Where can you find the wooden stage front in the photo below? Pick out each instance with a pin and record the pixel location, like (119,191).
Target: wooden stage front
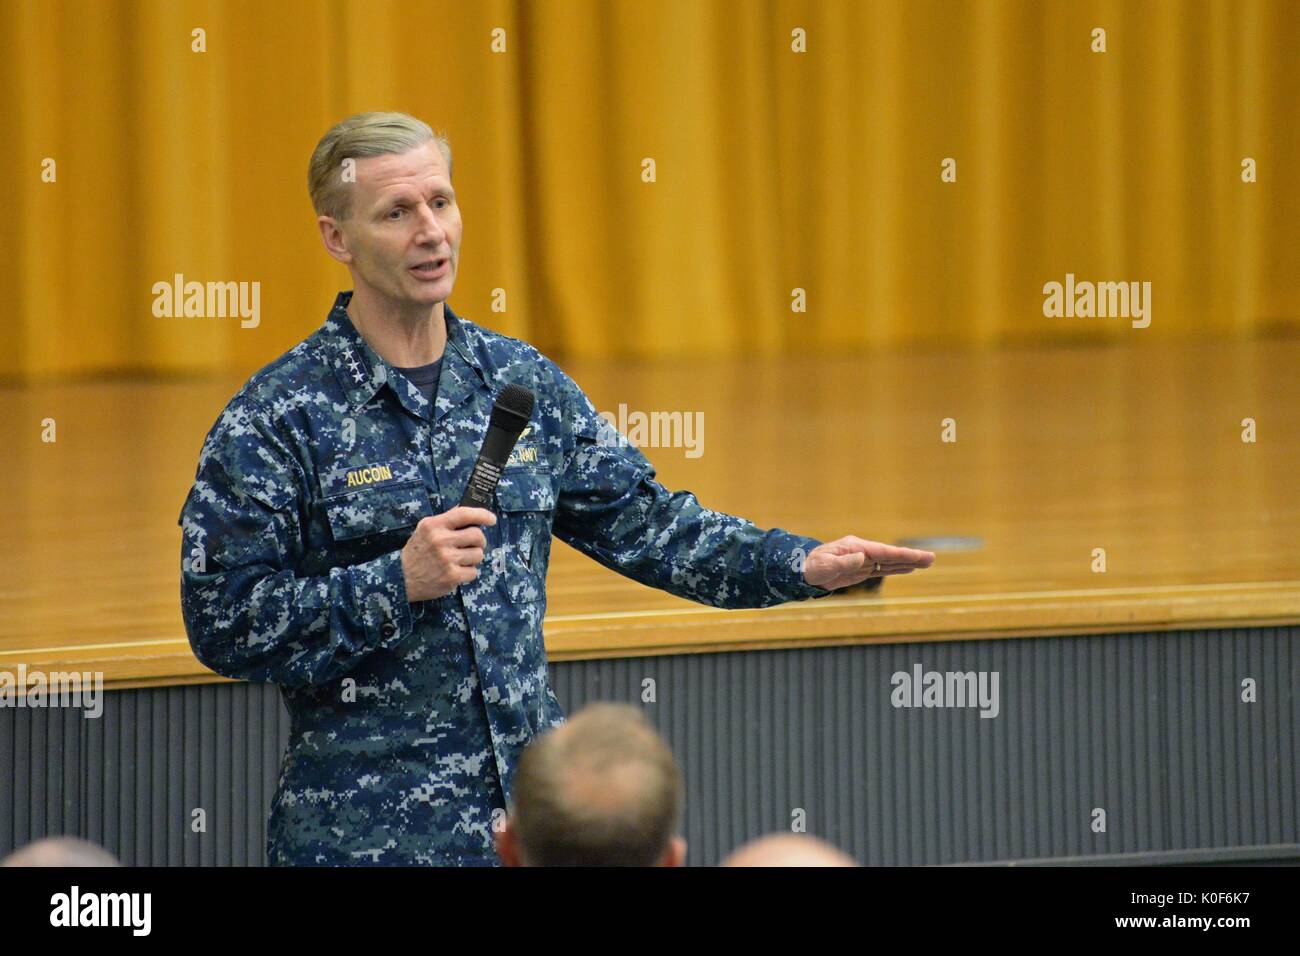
(1058,452)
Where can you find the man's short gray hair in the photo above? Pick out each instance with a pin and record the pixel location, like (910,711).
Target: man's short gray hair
(359,136)
(603,789)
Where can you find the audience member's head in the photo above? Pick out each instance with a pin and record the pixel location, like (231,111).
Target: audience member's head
(602,789)
(788,849)
(60,851)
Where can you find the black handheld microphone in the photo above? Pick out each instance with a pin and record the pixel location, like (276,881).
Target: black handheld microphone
(510,414)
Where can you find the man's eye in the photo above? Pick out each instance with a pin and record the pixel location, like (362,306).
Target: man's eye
(444,202)
(392,212)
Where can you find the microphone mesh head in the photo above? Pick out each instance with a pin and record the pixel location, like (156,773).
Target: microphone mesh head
(513,408)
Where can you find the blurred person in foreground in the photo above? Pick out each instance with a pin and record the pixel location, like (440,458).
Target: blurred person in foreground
(60,851)
(788,849)
(603,789)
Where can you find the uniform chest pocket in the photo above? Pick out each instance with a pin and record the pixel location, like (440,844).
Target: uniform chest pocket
(376,511)
(526,506)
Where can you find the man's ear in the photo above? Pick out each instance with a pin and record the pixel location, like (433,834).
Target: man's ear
(675,855)
(331,235)
(507,846)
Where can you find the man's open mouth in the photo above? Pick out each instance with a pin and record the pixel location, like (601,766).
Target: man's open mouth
(431,269)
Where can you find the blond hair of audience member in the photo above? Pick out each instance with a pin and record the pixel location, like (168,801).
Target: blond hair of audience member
(603,789)
(788,849)
(60,851)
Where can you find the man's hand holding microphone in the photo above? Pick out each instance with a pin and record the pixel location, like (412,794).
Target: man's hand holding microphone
(445,550)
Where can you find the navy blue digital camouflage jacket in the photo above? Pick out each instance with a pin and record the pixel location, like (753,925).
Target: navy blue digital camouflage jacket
(407,719)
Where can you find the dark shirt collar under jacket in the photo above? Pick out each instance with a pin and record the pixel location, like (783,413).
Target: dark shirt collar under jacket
(362,373)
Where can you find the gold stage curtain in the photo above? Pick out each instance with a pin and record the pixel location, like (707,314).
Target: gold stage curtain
(774,170)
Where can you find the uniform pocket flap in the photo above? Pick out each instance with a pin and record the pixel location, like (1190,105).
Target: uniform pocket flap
(523,489)
(376,510)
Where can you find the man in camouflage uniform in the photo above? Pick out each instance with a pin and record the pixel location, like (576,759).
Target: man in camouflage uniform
(324,549)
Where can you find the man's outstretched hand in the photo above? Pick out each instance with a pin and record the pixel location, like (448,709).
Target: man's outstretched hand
(848,561)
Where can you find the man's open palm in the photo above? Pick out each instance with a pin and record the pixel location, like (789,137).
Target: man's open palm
(851,560)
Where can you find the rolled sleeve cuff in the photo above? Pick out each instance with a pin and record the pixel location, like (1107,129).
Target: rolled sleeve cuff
(783,563)
(379,588)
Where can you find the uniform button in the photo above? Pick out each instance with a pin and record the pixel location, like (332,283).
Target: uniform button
(388,630)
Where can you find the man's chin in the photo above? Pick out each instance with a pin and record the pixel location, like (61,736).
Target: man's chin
(429,293)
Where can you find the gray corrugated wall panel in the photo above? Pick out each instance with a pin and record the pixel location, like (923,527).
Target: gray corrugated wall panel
(143,767)
(1088,722)
(1149,727)
(1232,757)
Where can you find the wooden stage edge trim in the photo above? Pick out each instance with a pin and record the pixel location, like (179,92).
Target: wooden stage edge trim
(830,622)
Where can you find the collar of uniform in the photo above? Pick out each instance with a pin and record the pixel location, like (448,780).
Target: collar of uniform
(362,372)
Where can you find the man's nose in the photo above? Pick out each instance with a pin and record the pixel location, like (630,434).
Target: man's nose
(431,230)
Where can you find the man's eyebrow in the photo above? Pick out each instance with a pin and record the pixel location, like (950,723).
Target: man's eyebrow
(406,193)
